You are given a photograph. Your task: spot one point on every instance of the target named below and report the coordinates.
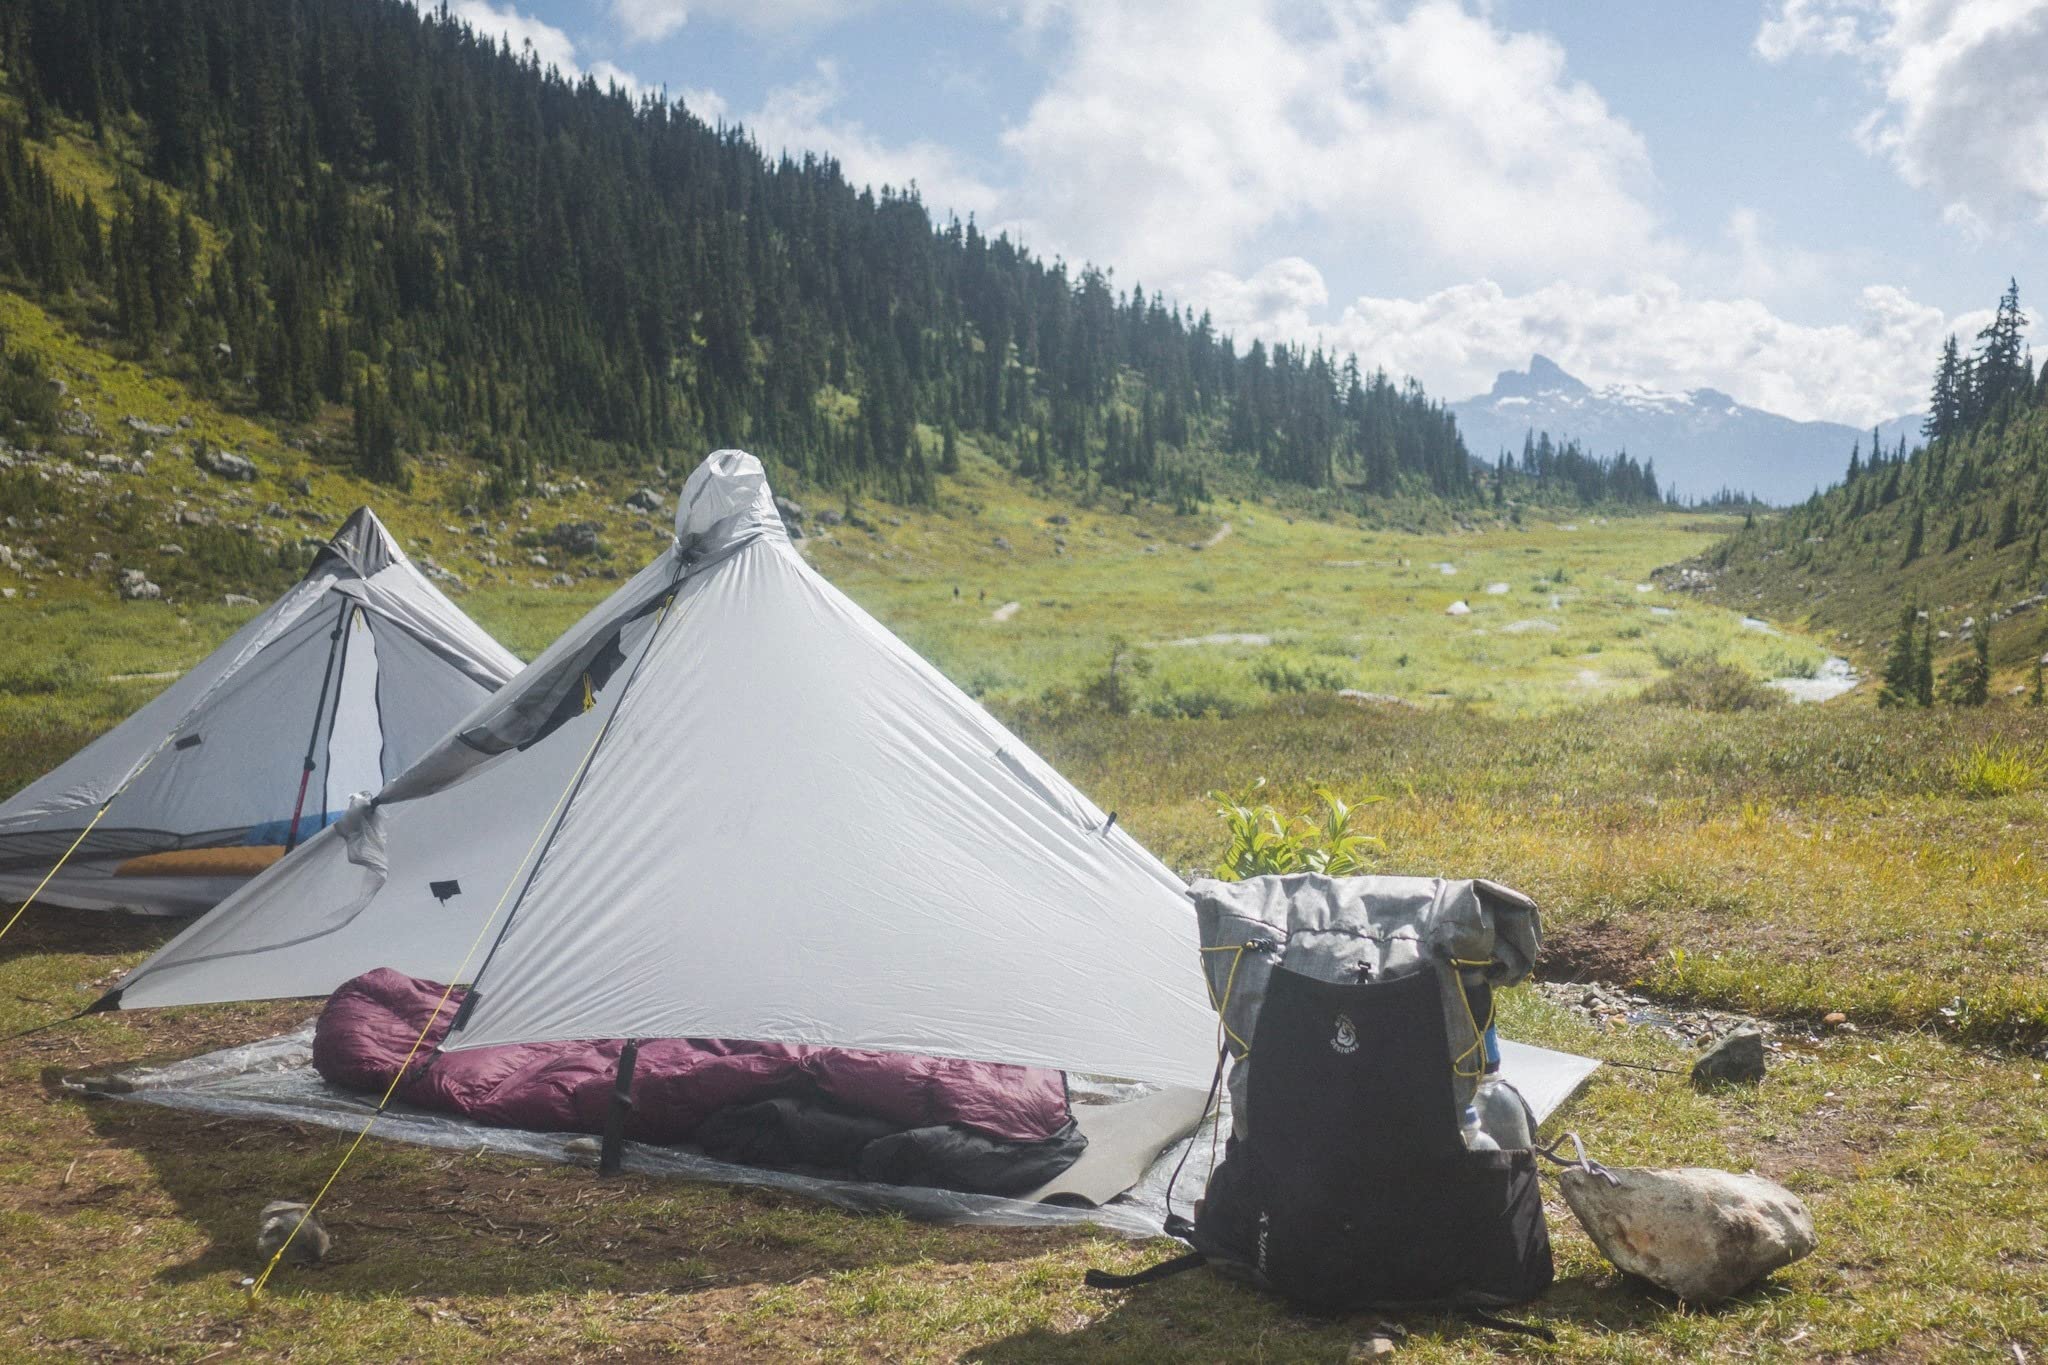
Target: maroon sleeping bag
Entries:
(369, 1025)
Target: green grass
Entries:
(1789, 861)
(129, 1229)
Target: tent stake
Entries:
(613, 1150)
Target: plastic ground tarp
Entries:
(1136, 1131)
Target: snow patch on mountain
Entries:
(1701, 440)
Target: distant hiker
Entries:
(956, 592)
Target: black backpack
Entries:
(1351, 1186)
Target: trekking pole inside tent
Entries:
(541, 837)
(334, 647)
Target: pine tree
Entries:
(1945, 406)
(2036, 695)
(1967, 681)
(2008, 524)
(1923, 666)
(1901, 666)
(1915, 537)
(376, 438)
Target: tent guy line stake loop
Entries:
(539, 837)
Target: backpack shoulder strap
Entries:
(1102, 1279)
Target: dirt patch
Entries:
(1600, 951)
(90, 933)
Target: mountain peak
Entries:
(1544, 375)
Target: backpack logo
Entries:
(1345, 1040)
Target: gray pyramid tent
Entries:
(730, 804)
(336, 687)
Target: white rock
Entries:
(1700, 1233)
(1458, 608)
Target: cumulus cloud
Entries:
(519, 31)
(804, 116)
(1962, 92)
(1202, 148)
(1172, 136)
(1867, 369)
(549, 45)
(652, 20)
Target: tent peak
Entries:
(364, 543)
(725, 503)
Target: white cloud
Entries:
(1868, 369)
(520, 31)
(652, 20)
(526, 32)
(1200, 148)
(1172, 137)
(1963, 94)
(803, 117)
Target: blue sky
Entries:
(1792, 201)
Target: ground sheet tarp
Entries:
(1138, 1135)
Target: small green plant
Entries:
(1264, 843)
(1996, 769)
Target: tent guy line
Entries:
(426, 1028)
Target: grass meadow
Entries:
(1787, 861)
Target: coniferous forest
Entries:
(1932, 551)
(372, 215)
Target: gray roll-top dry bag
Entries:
(1354, 1016)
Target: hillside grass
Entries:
(1788, 861)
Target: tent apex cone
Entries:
(726, 503)
(364, 544)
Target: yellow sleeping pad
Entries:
(245, 861)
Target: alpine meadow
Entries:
(1240, 577)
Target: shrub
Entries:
(1707, 684)
(43, 677)
(1279, 673)
(1784, 664)
(1995, 769)
(25, 494)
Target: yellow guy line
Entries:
(447, 991)
(105, 806)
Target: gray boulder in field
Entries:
(1737, 1059)
(1700, 1233)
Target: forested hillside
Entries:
(356, 215)
(1952, 529)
